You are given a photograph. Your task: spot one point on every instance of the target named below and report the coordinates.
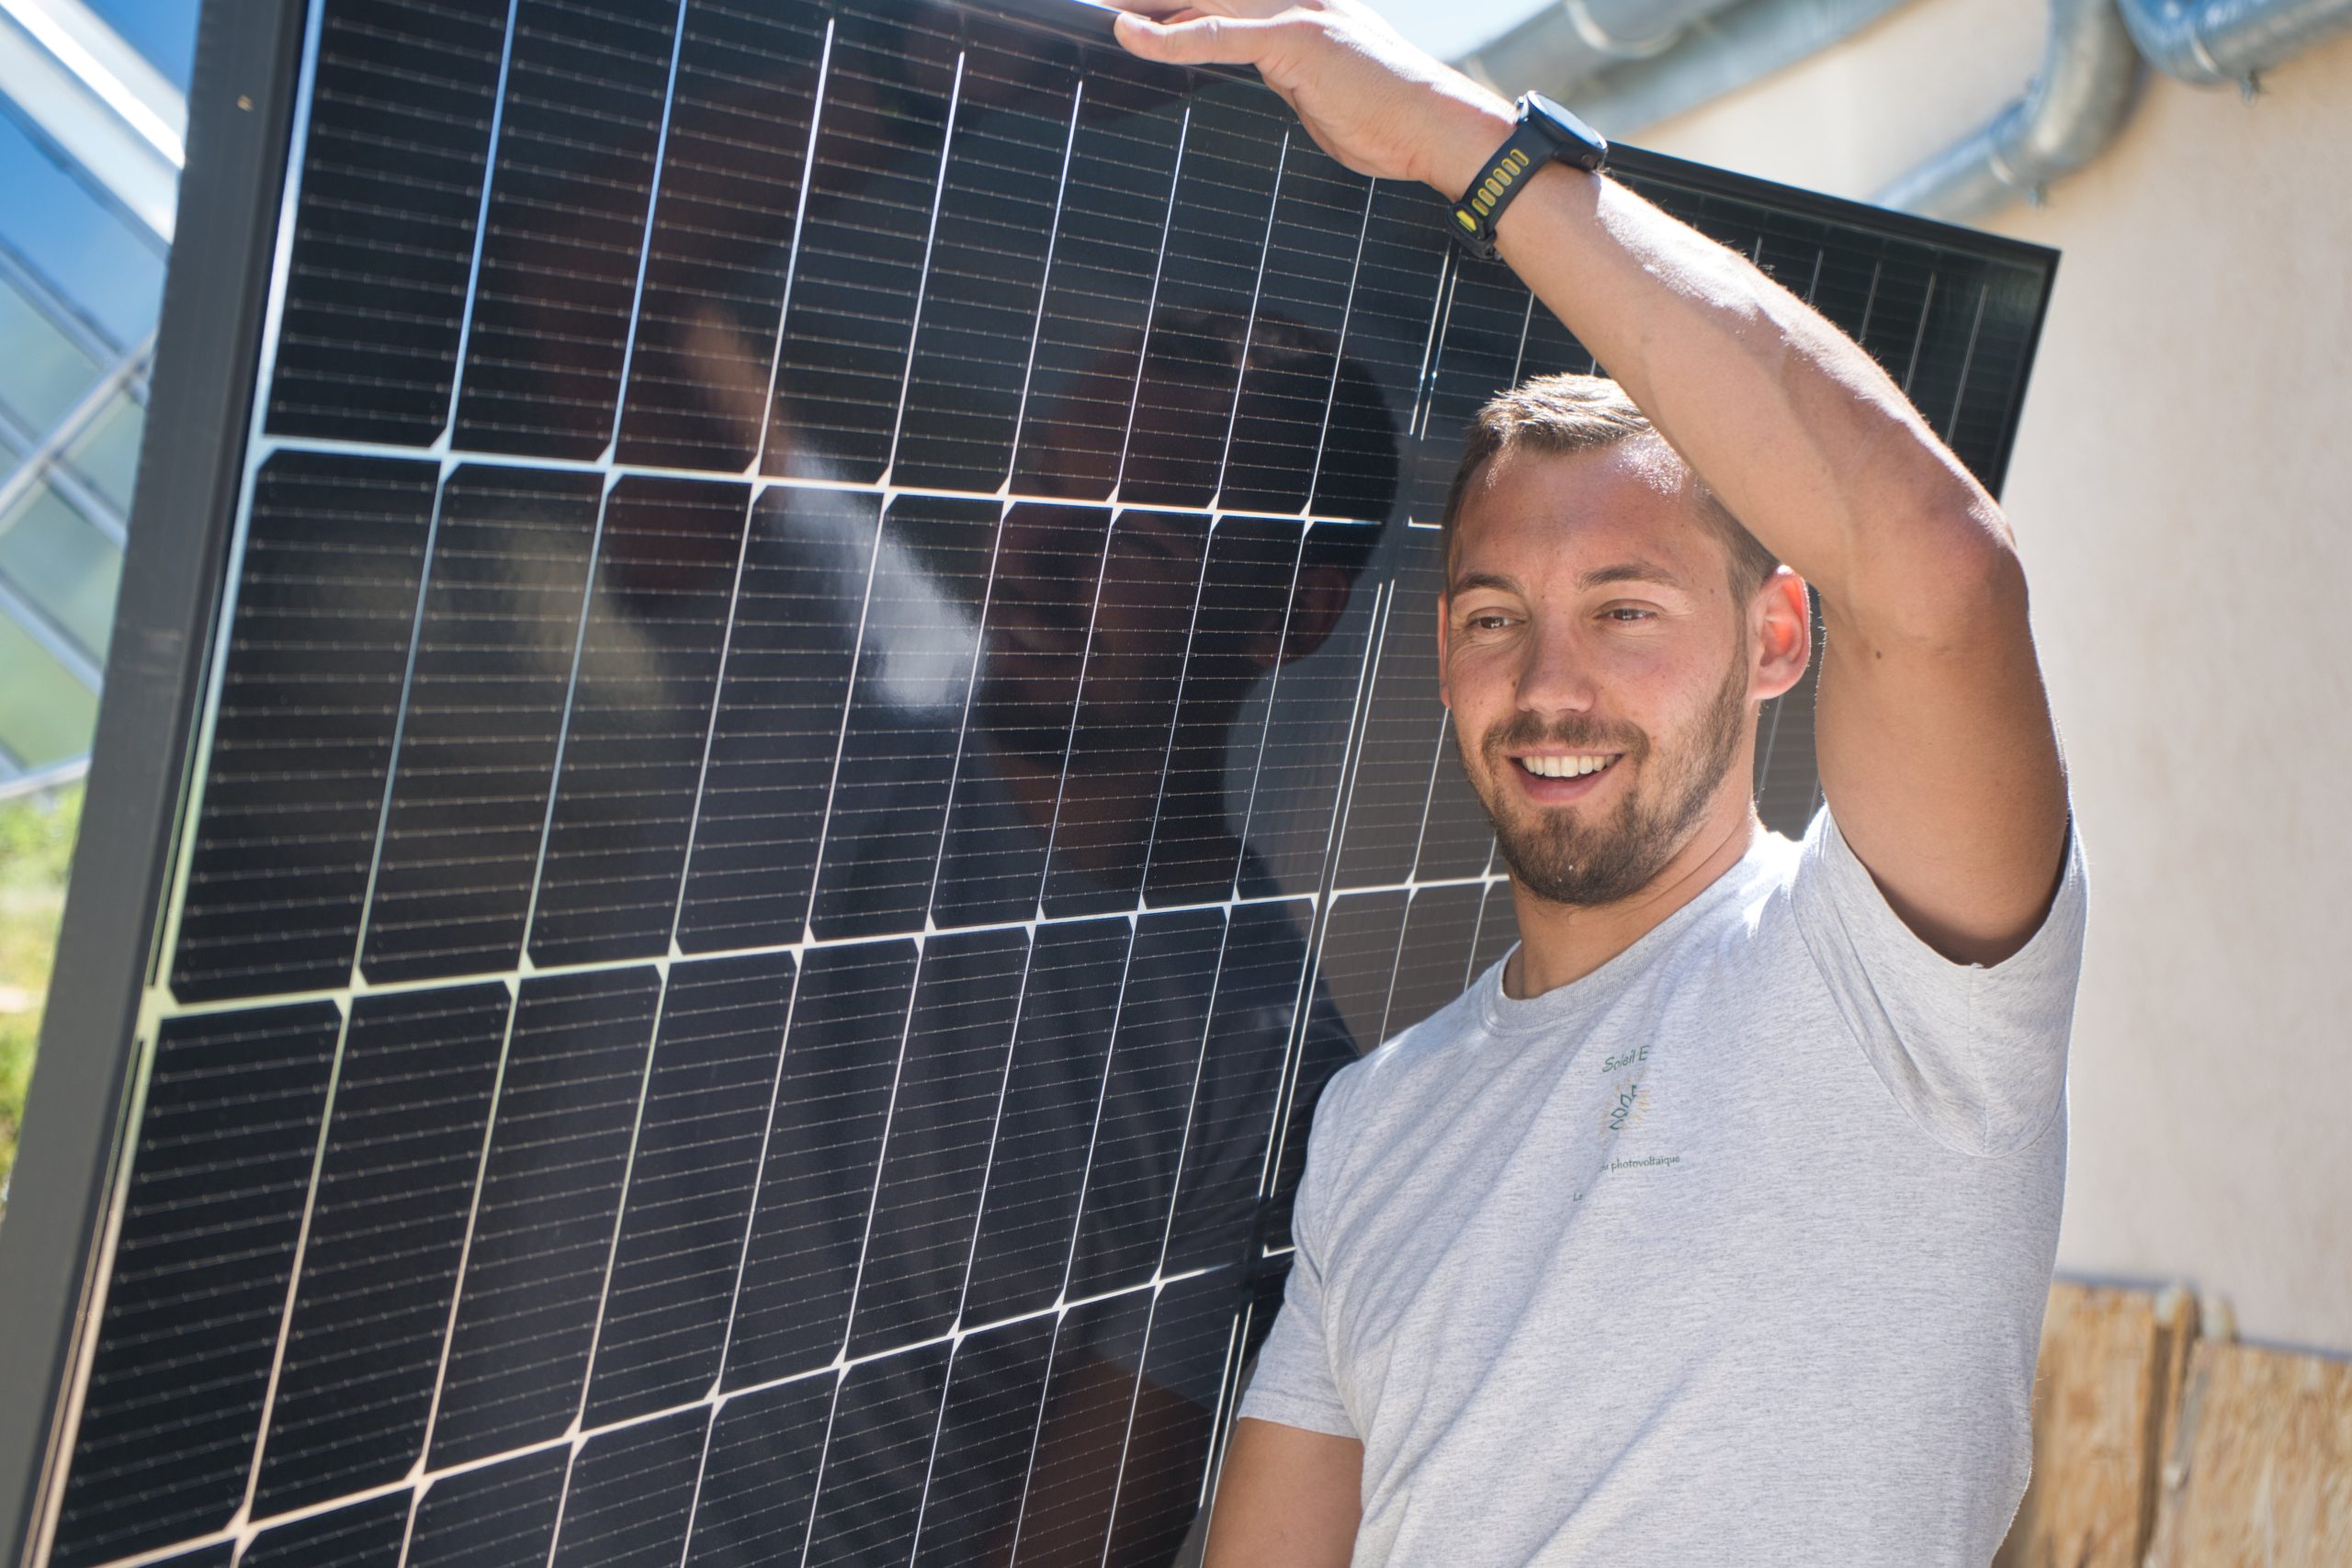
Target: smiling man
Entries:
(1712, 1224)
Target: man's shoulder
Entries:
(1393, 1073)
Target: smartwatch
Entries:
(1544, 132)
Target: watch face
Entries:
(1571, 134)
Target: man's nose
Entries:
(1555, 676)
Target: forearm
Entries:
(1800, 433)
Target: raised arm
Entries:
(1934, 736)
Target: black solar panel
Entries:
(775, 715)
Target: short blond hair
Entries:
(1561, 415)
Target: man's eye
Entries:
(1489, 623)
(1629, 613)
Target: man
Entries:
(1713, 1225)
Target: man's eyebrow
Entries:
(1496, 581)
(1629, 572)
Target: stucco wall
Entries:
(2182, 490)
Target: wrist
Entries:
(1471, 123)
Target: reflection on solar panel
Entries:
(821, 728)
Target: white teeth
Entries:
(1564, 767)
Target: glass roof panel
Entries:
(45, 715)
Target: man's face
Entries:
(1599, 666)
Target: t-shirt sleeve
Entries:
(1294, 1383)
(1976, 1053)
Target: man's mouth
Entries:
(1573, 765)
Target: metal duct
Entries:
(1720, 55)
(1564, 43)
(2213, 42)
(2073, 107)
(2079, 101)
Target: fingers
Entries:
(1246, 10)
(1204, 41)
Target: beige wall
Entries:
(2182, 490)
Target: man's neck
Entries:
(1561, 943)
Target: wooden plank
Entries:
(2258, 1467)
(2107, 1367)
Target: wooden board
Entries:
(2109, 1366)
(2257, 1469)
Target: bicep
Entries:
(1939, 762)
(1287, 1498)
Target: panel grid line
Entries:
(481, 224)
(763, 483)
(1044, 285)
(882, 1152)
(996, 1129)
(1102, 1097)
(399, 725)
(1175, 711)
(563, 724)
(964, 720)
(645, 241)
(1077, 698)
(465, 1249)
(923, 278)
(1151, 304)
(294, 1272)
(758, 1184)
(1248, 333)
(1030, 922)
(1968, 357)
(1346, 319)
(620, 1201)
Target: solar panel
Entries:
(775, 715)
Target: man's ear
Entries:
(1315, 606)
(1780, 631)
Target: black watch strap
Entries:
(1544, 132)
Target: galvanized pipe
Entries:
(1568, 40)
(2210, 42)
(1720, 55)
(2075, 104)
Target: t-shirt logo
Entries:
(1628, 1106)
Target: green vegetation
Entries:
(36, 847)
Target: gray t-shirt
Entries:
(1732, 1251)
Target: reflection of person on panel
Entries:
(1114, 650)
(1111, 672)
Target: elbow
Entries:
(1949, 582)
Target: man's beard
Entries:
(1554, 856)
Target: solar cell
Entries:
(803, 725)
